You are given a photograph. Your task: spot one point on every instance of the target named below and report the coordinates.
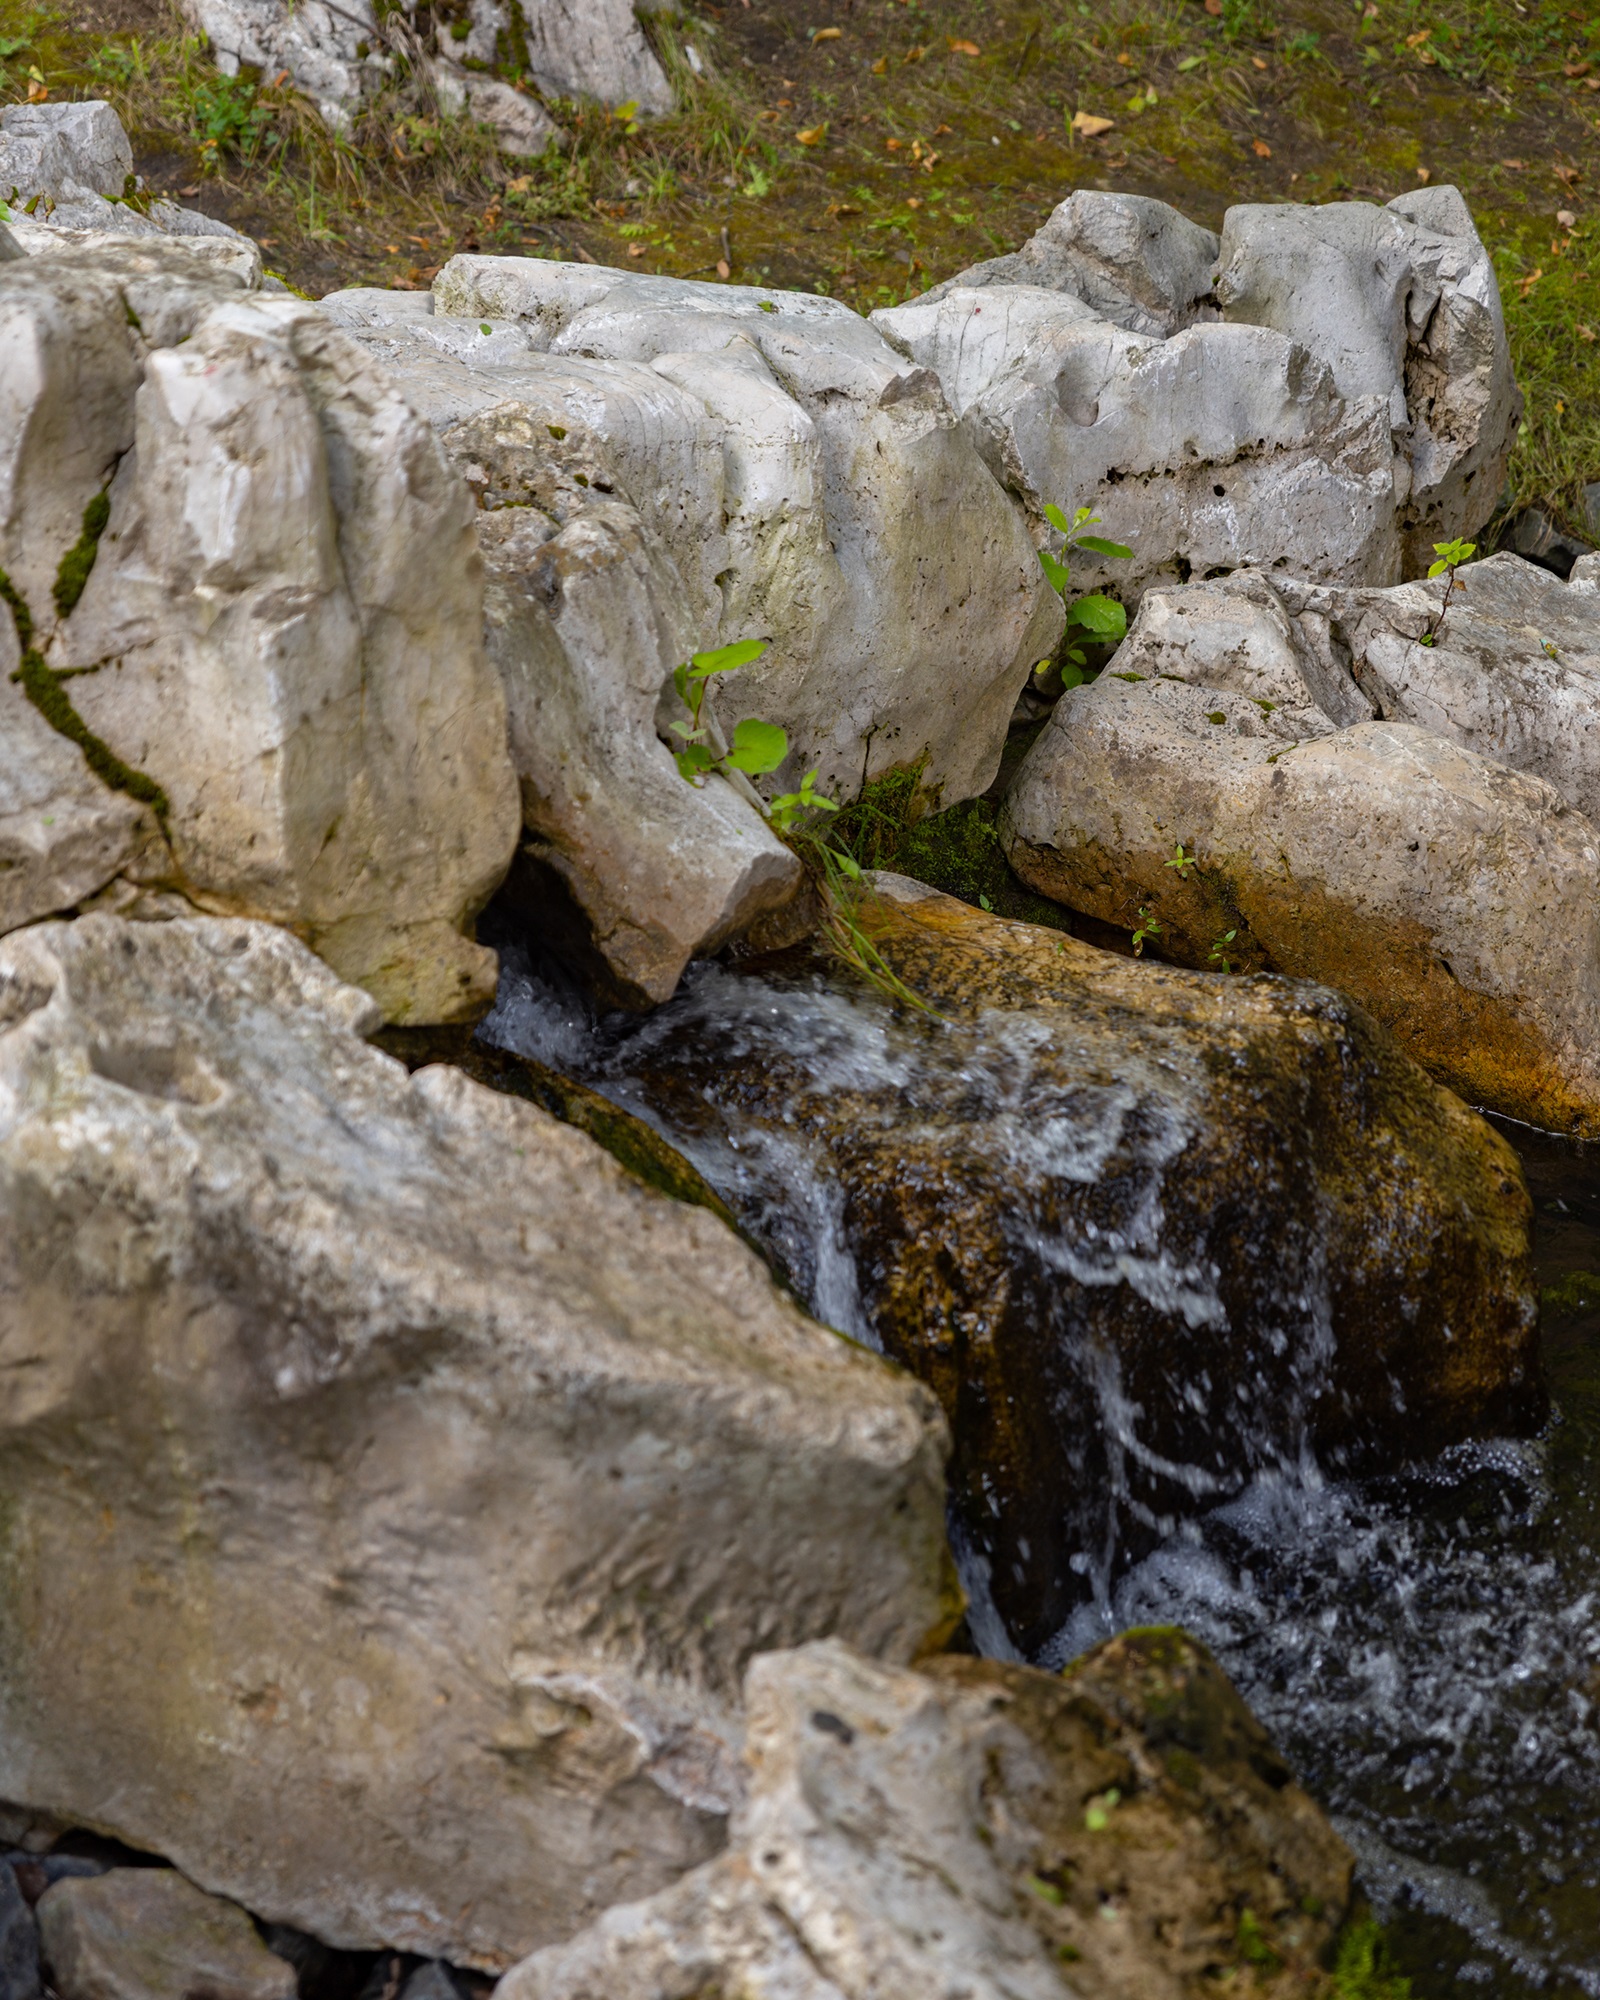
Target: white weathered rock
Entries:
(335, 53)
(594, 48)
(386, 1468)
(73, 164)
(1448, 894)
(809, 487)
(222, 251)
(1402, 304)
(522, 126)
(976, 1831)
(148, 1934)
(1131, 260)
(1220, 448)
(1512, 671)
(42, 146)
(282, 629)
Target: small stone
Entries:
(150, 1934)
(19, 1943)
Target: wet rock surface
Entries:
(1125, 1831)
(441, 1474)
(1145, 1232)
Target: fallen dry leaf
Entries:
(1530, 281)
(1088, 126)
(1514, 165)
(939, 131)
(1565, 219)
(1591, 83)
(1424, 174)
(916, 54)
(1577, 69)
(1261, 149)
(814, 134)
(826, 35)
(894, 145)
(930, 163)
(1126, 59)
(881, 66)
(1415, 41)
(964, 48)
(838, 208)
(1568, 176)
(635, 249)
(1256, 62)
(1584, 332)
(724, 268)
(1214, 8)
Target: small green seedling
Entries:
(1219, 949)
(1449, 558)
(1099, 618)
(1097, 1814)
(788, 807)
(1181, 861)
(1147, 928)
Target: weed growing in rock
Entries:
(1451, 555)
(1362, 1970)
(1099, 618)
(757, 747)
(1219, 948)
(1182, 861)
(1147, 927)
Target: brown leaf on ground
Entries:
(827, 35)
(1088, 126)
(1568, 176)
(963, 48)
(881, 66)
(1530, 281)
(1261, 149)
(813, 135)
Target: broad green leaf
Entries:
(849, 866)
(1438, 568)
(1104, 617)
(758, 747)
(1098, 546)
(1072, 676)
(726, 659)
(1057, 575)
(1057, 518)
(693, 761)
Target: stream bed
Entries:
(1424, 1649)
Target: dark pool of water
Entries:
(1425, 1650)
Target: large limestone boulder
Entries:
(1401, 303)
(248, 582)
(1412, 823)
(664, 466)
(1147, 1233)
(386, 1469)
(988, 1831)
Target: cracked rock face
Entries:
(1355, 406)
(274, 636)
(987, 1831)
(1415, 823)
(664, 466)
(411, 1468)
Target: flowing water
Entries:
(1425, 1649)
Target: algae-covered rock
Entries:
(987, 1831)
(1145, 1232)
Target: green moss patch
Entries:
(76, 564)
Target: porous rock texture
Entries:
(992, 1832)
(336, 53)
(1413, 822)
(244, 580)
(664, 466)
(1146, 1232)
(1355, 406)
(149, 1934)
(408, 1469)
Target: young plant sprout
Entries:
(1451, 555)
(1099, 618)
